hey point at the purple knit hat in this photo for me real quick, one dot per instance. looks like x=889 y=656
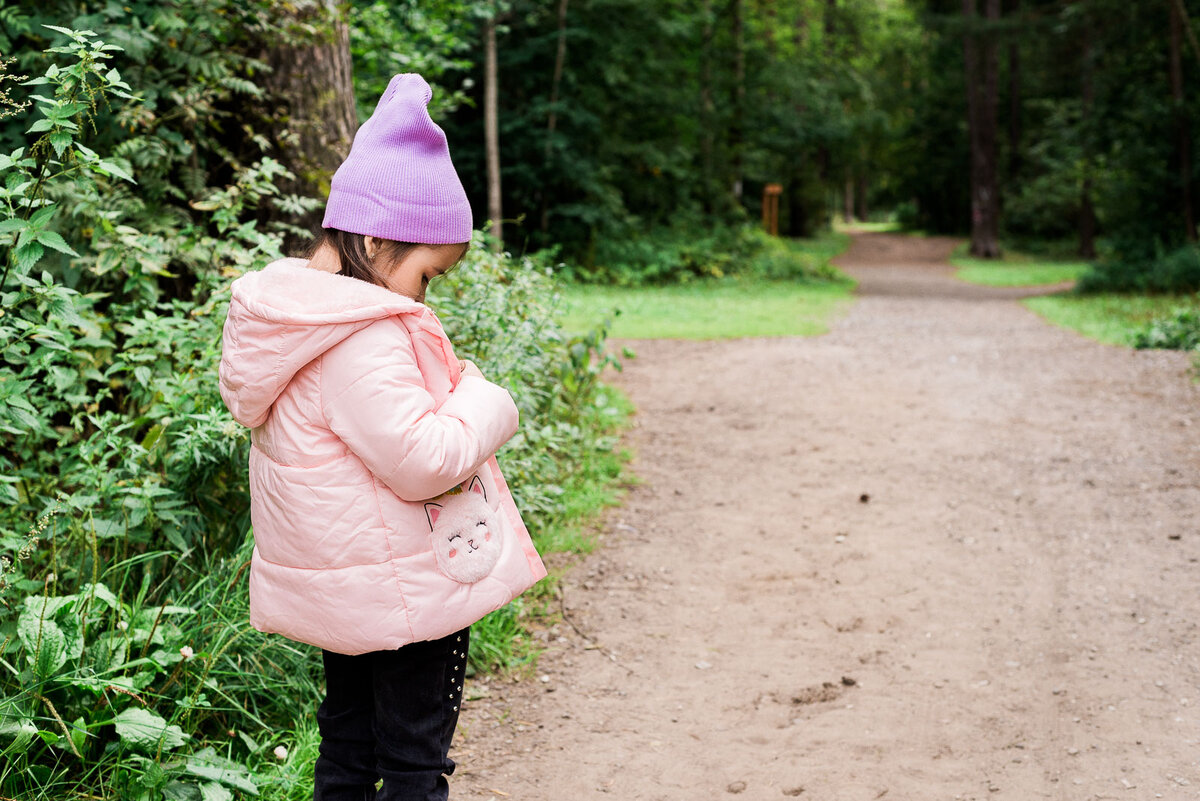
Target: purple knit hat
x=398 y=181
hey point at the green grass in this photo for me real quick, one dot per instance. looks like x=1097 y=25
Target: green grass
x=292 y=778
x=873 y=227
x=726 y=308
x=596 y=485
x=824 y=246
x=729 y=307
x=1015 y=269
x=1107 y=318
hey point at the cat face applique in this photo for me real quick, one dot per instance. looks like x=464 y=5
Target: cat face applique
x=466 y=537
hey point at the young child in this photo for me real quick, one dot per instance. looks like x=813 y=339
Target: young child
x=383 y=528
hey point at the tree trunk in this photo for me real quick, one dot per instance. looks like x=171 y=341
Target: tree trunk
x=860 y=196
x=1014 y=100
x=1183 y=154
x=848 y=199
x=1087 y=211
x=491 y=133
x=707 y=109
x=560 y=60
x=739 y=100
x=824 y=156
x=982 y=78
x=310 y=96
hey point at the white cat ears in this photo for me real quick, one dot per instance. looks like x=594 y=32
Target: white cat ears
x=433 y=510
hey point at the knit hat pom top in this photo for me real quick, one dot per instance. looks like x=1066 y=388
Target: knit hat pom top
x=398 y=182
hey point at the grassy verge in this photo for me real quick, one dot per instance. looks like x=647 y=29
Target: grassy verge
x=822 y=247
x=595 y=485
x=1107 y=318
x=746 y=305
x=504 y=640
x=1015 y=269
x=715 y=309
x=873 y=227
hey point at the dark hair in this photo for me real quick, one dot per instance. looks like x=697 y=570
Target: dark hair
x=351 y=250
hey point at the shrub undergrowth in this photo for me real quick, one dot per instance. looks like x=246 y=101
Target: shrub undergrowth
x=690 y=252
x=1178 y=329
x=1137 y=269
x=128 y=668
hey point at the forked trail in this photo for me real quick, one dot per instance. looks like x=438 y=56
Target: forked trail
x=946 y=551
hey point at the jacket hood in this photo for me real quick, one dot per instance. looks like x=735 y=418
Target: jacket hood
x=286 y=315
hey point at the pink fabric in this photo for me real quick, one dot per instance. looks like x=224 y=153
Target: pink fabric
x=360 y=416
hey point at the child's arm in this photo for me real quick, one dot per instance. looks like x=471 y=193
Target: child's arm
x=375 y=400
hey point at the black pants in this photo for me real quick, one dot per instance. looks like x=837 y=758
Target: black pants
x=390 y=715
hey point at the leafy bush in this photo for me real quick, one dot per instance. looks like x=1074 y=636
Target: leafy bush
x=503 y=313
x=1178 y=330
x=685 y=253
x=129 y=668
x=1133 y=270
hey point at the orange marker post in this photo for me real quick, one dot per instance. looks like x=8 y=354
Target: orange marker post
x=770 y=206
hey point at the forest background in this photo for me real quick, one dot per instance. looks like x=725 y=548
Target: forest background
x=153 y=151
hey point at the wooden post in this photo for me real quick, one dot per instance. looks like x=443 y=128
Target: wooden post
x=771 y=193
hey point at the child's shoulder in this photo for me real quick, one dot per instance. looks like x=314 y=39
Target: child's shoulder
x=386 y=338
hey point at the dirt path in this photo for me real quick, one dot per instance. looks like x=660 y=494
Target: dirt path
x=946 y=551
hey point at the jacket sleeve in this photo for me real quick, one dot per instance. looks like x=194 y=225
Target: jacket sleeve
x=374 y=399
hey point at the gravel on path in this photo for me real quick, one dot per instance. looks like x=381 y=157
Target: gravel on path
x=946 y=551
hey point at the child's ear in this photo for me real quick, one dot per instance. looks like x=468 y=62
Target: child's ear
x=476 y=486
x=432 y=510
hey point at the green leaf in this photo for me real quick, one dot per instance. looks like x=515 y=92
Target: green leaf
x=101 y=593
x=45 y=644
x=207 y=764
x=175 y=538
x=72 y=629
x=211 y=791
x=180 y=791
x=143 y=375
x=111 y=168
x=42 y=606
x=52 y=239
x=41 y=218
x=60 y=140
x=105 y=529
x=153 y=436
x=142 y=729
x=17 y=726
x=251 y=744
x=40 y=125
x=20 y=403
x=28 y=256
x=79 y=733
x=12 y=224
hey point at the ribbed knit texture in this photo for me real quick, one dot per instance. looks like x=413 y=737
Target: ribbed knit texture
x=398 y=181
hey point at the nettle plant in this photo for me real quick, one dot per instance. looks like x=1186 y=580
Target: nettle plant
x=108 y=408
x=117 y=460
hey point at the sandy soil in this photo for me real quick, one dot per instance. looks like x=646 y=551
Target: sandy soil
x=946 y=551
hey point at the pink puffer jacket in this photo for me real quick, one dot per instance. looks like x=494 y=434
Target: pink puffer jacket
x=380 y=516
